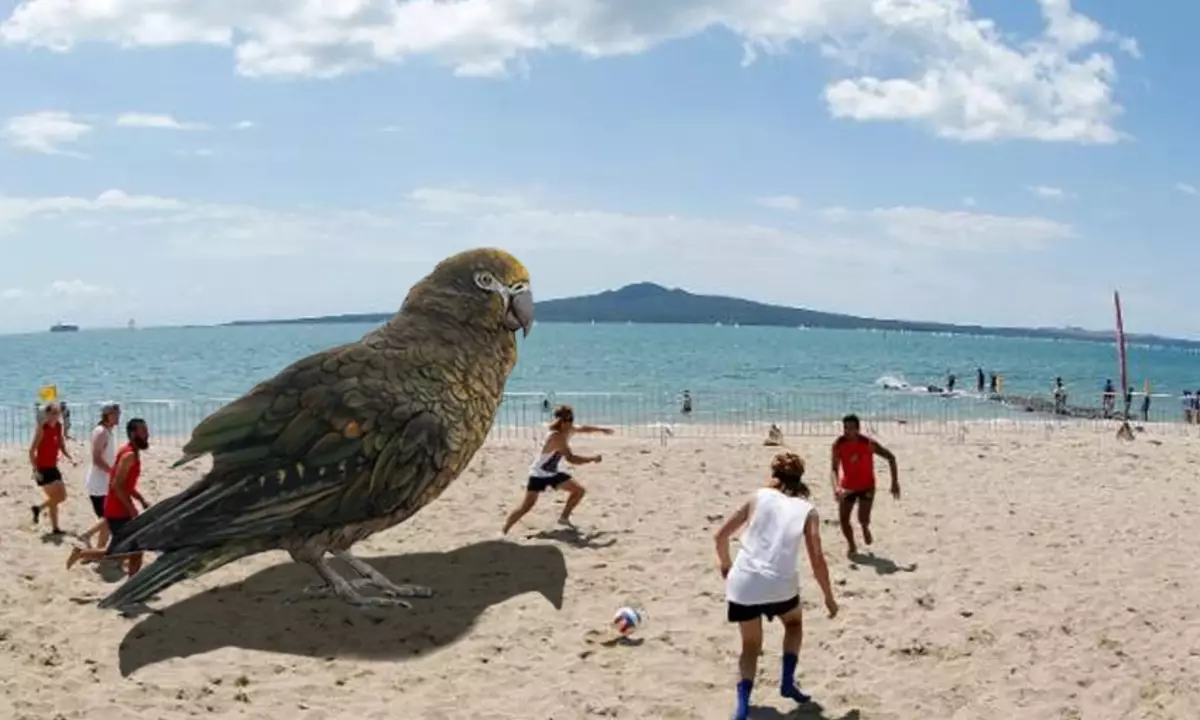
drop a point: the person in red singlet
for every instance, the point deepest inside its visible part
(47, 445)
(854, 455)
(119, 507)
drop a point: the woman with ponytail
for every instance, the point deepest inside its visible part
(764, 581)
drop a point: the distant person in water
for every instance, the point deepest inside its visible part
(993, 385)
(853, 476)
(764, 580)
(1128, 402)
(1146, 407)
(1060, 397)
(48, 444)
(686, 408)
(950, 380)
(979, 380)
(1109, 398)
(545, 473)
(1187, 406)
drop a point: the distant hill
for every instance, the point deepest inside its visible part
(654, 304)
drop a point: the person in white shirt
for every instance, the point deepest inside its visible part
(764, 580)
(104, 453)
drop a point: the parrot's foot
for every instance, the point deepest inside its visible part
(373, 578)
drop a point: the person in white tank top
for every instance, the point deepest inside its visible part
(104, 454)
(764, 580)
(545, 473)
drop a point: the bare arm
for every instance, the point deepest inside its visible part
(99, 445)
(63, 449)
(726, 531)
(558, 443)
(893, 469)
(816, 560)
(594, 429)
(118, 485)
(37, 439)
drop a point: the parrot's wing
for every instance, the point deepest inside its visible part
(334, 439)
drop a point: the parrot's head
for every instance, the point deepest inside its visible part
(484, 286)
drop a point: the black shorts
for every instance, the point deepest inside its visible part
(857, 495)
(47, 476)
(98, 505)
(737, 613)
(540, 484)
(114, 528)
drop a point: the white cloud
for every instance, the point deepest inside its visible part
(1186, 188)
(933, 62)
(443, 200)
(243, 125)
(46, 132)
(14, 210)
(780, 202)
(1047, 192)
(156, 121)
(75, 288)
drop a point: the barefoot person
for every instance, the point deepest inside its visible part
(544, 473)
(104, 455)
(119, 506)
(764, 581)
(47, 445)
(854, 454)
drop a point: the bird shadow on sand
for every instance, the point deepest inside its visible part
(253, 614)
(808, 711)
(881, 565)
(576, 538)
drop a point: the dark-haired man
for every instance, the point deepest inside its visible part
(853, 454)
(119, 507)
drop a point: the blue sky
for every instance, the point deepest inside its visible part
(997, 161)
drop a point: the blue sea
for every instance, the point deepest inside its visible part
(607, 369)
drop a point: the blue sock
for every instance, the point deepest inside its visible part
(743, 699)
(787, 683)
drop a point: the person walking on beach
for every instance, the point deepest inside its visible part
(979, 380)
(1060, 397)
(1108, 401)
(764, 580)
(1128, 402)
(119, 507)
(545, 474)
(47, 445)
(1146, 406)
(853, 454)
(1186, 401)
(104, 455)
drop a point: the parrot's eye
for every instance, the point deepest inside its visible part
(486, 280)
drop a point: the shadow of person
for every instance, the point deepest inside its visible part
(808, 711)
(254, 615)
(52, 538)
(575, 538)
(881, 565)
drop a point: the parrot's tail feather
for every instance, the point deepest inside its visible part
(168, 569)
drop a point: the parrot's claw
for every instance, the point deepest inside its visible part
(349, 592)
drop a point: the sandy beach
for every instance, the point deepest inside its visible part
(1023, 575)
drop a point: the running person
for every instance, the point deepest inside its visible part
(764, 581)
(47, 445)
(104, 456)
(119, 506)
(545, 474)
(854, 454)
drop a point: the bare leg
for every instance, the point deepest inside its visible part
(522, 510)
(56, 494)
(339, 587)
(865, 503)
(793, 635)
(575, 493)
(752, 637)
(100, 528)
(844, 509)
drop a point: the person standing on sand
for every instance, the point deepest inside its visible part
(544, 473)
(854, 455)
(119, 507)
(1109, 399)
(979, 380)
(104, 454)
(764, 580)
(47, 445)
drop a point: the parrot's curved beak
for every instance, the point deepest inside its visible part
(520, 313)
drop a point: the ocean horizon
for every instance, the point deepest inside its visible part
(607, 369)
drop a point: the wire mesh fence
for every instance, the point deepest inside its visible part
(663, 415)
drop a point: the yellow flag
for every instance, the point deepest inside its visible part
(48, 393)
